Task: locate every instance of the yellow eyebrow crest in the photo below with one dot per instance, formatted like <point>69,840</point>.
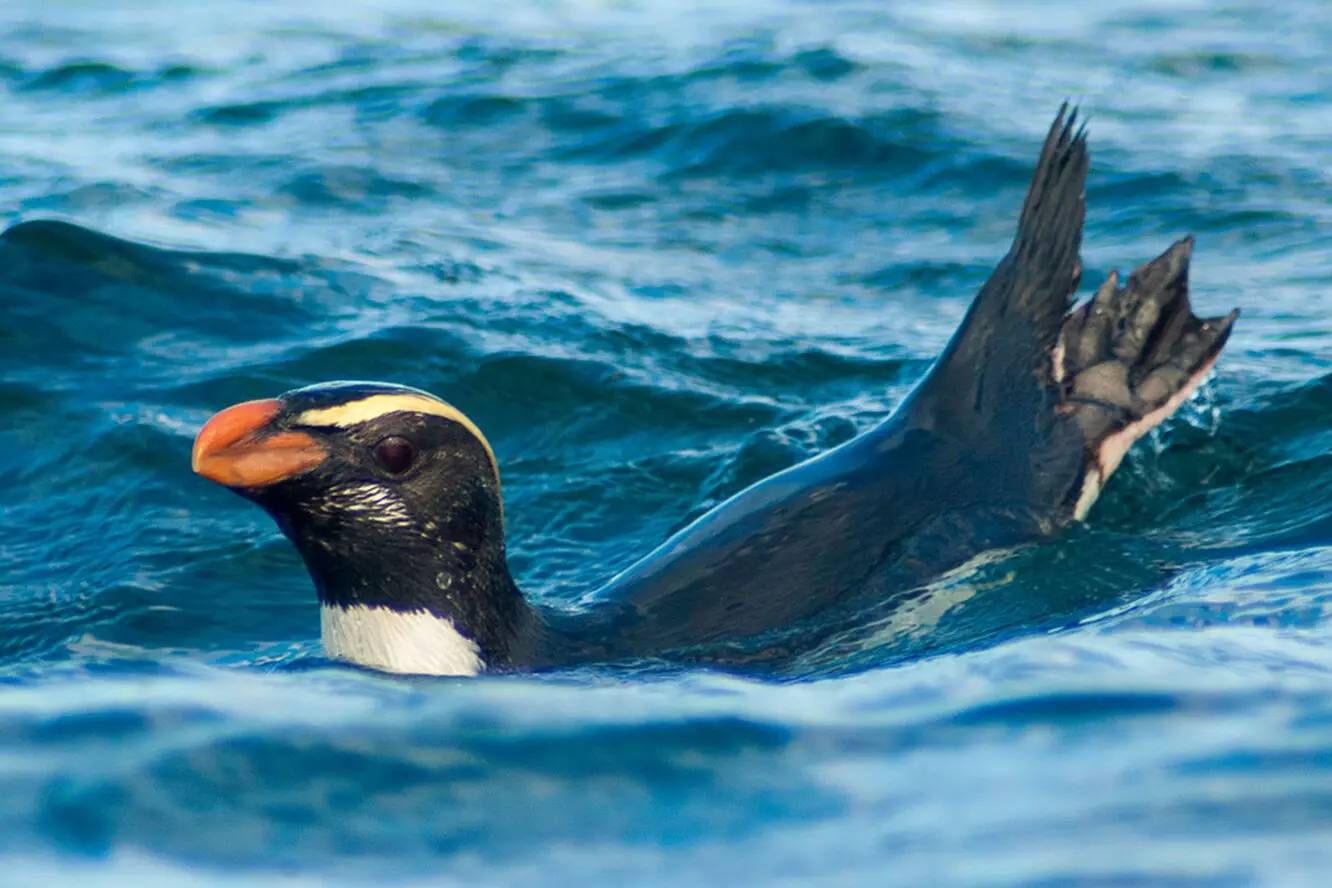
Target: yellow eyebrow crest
<point>365,409</point>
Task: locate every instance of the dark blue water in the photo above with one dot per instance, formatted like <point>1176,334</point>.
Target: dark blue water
<point>657,251</point>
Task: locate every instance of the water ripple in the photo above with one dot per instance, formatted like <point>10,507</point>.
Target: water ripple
<point>657,251</point>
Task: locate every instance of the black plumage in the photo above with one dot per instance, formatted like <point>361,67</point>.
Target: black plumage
<point>1006,440</point>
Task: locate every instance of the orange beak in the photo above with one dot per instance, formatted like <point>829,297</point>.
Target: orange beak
<point>233,451</point>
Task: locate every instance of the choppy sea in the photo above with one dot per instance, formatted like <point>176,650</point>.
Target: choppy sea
<point>657,250</point>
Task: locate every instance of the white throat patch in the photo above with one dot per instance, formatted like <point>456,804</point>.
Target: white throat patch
<point>415,643</point>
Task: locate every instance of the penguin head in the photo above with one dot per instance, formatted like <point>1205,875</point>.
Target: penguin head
<point>391,496</point>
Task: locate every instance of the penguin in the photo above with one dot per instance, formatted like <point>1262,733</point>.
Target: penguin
<point>392,496</point>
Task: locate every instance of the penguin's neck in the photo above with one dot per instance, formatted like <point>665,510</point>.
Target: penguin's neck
<point>437,610</point>
<point>379,637</point>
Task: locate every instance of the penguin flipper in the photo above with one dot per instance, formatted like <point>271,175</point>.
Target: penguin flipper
<point>997,365</point>
<point>1052,398</point>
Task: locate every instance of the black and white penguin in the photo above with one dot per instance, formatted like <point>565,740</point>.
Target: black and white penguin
<point>393,498</point>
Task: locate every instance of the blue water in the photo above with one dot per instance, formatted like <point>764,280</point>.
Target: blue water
<point>657,250</point>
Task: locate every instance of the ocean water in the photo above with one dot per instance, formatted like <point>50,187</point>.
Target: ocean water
<point>657,250</point>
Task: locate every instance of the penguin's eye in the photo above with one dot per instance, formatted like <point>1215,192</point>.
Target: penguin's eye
<point>395,455</point>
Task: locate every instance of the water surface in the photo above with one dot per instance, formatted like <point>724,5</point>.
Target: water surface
<point>657,251</point>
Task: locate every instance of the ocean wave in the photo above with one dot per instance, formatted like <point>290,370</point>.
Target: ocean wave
<point>94,77</point>
<point>657,252</point>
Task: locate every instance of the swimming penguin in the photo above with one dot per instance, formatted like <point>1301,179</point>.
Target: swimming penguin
<point>393,498</point>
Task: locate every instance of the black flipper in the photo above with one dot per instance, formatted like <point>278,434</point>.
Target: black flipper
<point>1052,401</point>
<point>997,364</point>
